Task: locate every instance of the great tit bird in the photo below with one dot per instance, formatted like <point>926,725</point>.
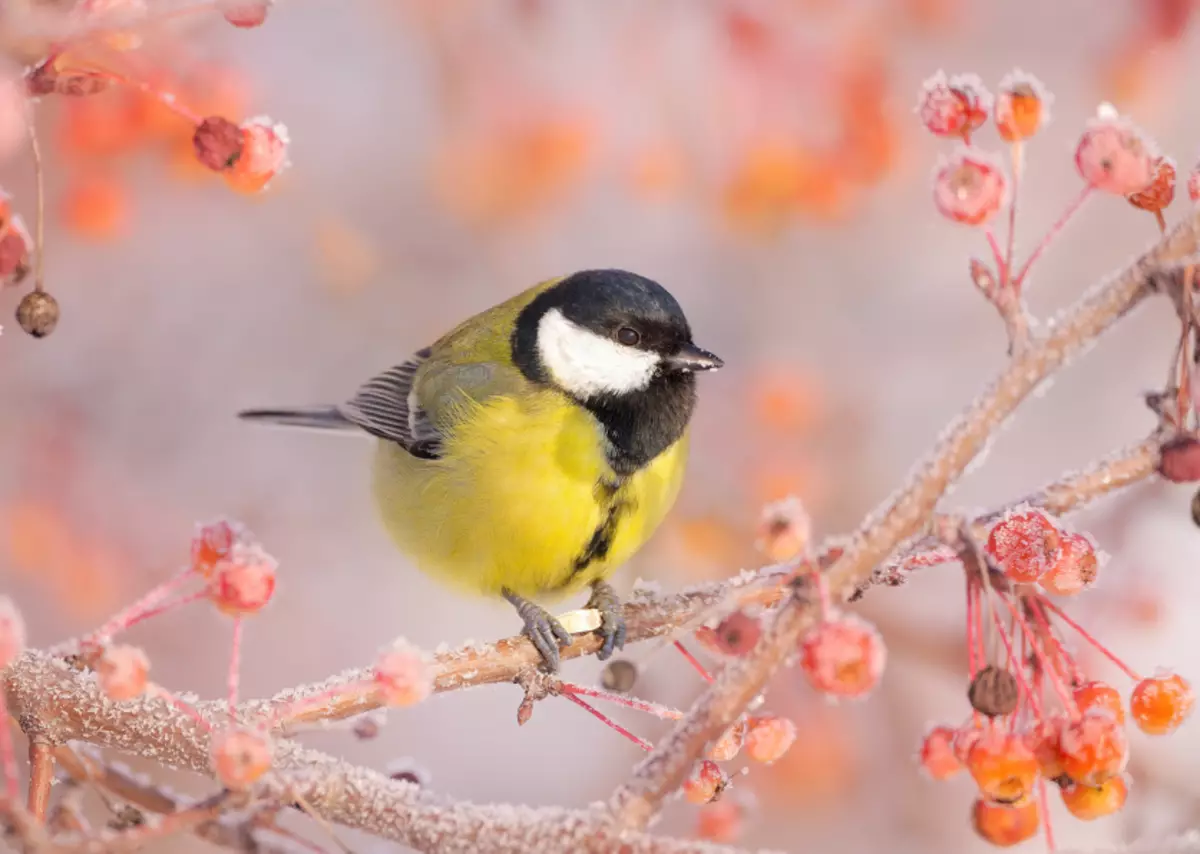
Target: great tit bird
<point>534,448</point>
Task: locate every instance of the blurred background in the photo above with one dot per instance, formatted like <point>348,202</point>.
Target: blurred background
<point>763,161</point>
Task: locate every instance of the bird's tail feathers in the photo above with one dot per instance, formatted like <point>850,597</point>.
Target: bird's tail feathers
<point>307,417</point>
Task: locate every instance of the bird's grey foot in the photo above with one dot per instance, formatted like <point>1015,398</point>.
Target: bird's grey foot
<point>612,620</point>
<point>546,633</point>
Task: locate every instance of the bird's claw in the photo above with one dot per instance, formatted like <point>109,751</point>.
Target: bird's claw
<point>545,633</point>
<point>612,618</point>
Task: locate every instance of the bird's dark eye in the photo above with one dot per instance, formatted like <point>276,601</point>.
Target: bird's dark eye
<point>628,336</point>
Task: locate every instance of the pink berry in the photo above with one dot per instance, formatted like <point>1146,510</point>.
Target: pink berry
<point>954,107</point>
<point>246,15</point>
<point>263,156</point>
<point>244,582</point>
<point>12,632</point>
<point>969,187</point>
<point>769,737</point>
<point>843,657</point>
<point>123,671</point>
<point>705,783</point>
<point>240,757</point>
<point>402,675</point>
<point>728,745</point>
<point>1115,157</point>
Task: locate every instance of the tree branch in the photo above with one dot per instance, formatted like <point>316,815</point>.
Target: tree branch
<point>899,519</point>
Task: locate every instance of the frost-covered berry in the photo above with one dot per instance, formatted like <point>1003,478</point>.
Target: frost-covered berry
<point>705,783</point>
<point>1076,567</point>
<point>1042,738</point>
<point>1005,826</point>
<point>240,757</point>
<point>1003,766</point>
<point>263,156</point>
<point>1093,747</point>
<point>1025,545</point>
<point>937,756</point>
<point>213,543</point>
<point>243,583</point>
<point>1160,703</point>
<point>1100,695</point>
<point>123,671</point>
<point>1115,157</point>
<point>1091,802</point>
<point>843,657</point>
<point>784,531</point>
<point>1160,192</point>
<point>403,676</point>
<point>244,14</point>
<point>768,737</point>
<point>12,632</point>
<point>1022,107</point>
<point>953,107</point>
<point>729,744</point>
<point>969,187</point>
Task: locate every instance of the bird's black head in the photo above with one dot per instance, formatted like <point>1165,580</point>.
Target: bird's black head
<point>620,345</point>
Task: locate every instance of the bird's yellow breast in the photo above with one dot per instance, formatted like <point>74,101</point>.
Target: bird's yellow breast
<point>522,499</point>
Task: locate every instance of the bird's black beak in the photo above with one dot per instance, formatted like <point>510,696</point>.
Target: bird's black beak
<point>691,358</point>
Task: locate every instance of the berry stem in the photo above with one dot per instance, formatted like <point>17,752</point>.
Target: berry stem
<point>664,712</point>
<point>972,637</point>
<point>168,99</point>
<point>1063,657</point>
<point>136,612</point>
<point>1186,357</point>
<point>235,662</point>
<point>164,607</point>
<point>39,225</point>
<point>1083,633</point>
<point>610,722</point>
<point>1017,670</point>
<point>1044,803</point>
<point>997,256</point>
<point>12,790</point>
<point>683,650</point>
<point>1046,666</point>
<point>1018,160</point>
<point>1059,225</point>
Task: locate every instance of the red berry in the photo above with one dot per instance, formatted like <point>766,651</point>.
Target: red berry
<point>1025,545</point>
<point>1021,107</point>
<point>244,15</point>
<point>953,107</point>
<point>403,676</point>
<point>735,635</point>
<point>969,187</point>
<point>937,753</point>
<point>1114,156</point>
<point>768,737</point>
<point>212,544</point>
<point>843,657</point>
<point>240,757</point>
<point>1076,567</point>
<point>705,783</point>
<point>244,582</point>
<point>1003,766</point>
<point>1160,703</point>
<point>1091,802</point>
<point>1005,826</point>
<point>1179,460</point>
<point>1160,192</point>
<point>720,822</point>
<point>1093,747</point>
<point>12,632</point>
<point>123,672</point>
<point>218,143</point>
<point>728,745</point>
<point>1100,695</point>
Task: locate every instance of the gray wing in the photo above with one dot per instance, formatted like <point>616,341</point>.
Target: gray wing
<point>386,406</point>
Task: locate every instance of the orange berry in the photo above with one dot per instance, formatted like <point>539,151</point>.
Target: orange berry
<point>1076,567</point>
<point>729,744</point>
<point>1161,703</point>
<point>244,582</point>
<point>1093,747</point>
<point>843,657</point>
<point>969,187</point>
<point>784,531</point>
<point>1021,107</point>
<point>1003,766</point>
<point>12,632</point>
<point>768,737</point>
<point>1091,802</point>
<point>1025,545</point>
<point>937,753</point>
<point>1042,739</point>
<point>96,205</point>
<point>1114,156</point>
<point>262,158</point>
<point>953,107</point>
<point>402,675</point>
<point>720,822</point>
<point>213,543</point>
<point>705,783</point>
<point>240,757</point>
<point>1005,826</point>
<point>123,671</point>
<point>1160,192</point>
<point>1100,695</point>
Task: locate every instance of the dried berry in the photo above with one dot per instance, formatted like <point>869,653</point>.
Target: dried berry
<point>619,676</point>
<point>245,15</point>
<point>993,692</point>
<point>213,543</point>
<point>735,635</point>
<point>1160,192</point>
<point>37,313</point>
<point>263,156</point>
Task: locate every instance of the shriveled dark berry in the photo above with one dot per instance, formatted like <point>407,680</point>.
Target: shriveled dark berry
<point>993,692</point>
<point>619,676</point>
<point>37,313</point>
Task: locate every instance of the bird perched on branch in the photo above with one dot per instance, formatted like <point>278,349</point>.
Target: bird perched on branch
<point>533,449</point>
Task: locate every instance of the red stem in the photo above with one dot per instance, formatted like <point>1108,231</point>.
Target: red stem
<point>1045,805</point>
<point>235,662</point>
<point>1063,694</point>
<point>1083,633</point>
<point>1054,231</point>
<point>646,746</point>
<point>664,712</point>
<point>1018,671</point>
<point>1017,151</point>
<point>692,660</point>
<point>138,611</point>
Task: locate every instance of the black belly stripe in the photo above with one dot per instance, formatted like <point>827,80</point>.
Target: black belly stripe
<point>607,495</point>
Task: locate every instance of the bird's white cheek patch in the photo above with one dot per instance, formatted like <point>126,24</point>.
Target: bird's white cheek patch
<point>587,364</point>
